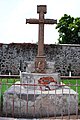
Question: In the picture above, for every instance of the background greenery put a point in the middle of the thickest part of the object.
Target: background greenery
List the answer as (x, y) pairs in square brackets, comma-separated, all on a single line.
[(68, 28)]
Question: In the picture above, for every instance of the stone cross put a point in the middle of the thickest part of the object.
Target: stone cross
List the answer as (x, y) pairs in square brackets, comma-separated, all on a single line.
[(40, 62)]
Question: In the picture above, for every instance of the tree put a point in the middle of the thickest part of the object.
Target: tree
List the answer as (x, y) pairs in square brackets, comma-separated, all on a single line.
[(68, 28)]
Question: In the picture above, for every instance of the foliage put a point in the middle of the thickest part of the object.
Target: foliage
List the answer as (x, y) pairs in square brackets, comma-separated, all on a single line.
[(68, 28)]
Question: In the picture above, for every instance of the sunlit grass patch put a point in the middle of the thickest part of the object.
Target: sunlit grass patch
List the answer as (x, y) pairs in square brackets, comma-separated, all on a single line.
[(73, 84)]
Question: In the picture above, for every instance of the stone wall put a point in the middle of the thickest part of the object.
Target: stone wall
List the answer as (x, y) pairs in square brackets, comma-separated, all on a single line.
[(14, 54)]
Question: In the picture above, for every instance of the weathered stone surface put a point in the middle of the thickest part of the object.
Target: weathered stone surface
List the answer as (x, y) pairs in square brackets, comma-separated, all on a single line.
[(32, 78), (37, 103)]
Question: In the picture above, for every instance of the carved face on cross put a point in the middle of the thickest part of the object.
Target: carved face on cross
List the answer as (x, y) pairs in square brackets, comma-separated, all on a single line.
[(41, 9)]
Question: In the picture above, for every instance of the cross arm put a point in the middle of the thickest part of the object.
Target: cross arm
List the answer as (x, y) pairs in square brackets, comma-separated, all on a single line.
[(50, 21), (32, 21), (37, 21)]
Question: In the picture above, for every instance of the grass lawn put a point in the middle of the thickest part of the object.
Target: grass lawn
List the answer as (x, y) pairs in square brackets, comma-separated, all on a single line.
[(6, 83), (75, 85)]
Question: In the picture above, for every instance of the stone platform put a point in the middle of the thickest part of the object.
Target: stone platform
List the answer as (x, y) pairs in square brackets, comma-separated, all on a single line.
[(37, 103)]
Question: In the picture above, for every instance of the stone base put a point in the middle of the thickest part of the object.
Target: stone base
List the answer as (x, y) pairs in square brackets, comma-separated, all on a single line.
[(32, 78), (50, 67), (36, 103)]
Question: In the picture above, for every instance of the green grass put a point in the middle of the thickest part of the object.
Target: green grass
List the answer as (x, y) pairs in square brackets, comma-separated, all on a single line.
[(72, 83), (6, 83)]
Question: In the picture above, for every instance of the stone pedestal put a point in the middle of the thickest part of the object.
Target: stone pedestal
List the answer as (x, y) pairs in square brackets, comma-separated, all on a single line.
[(32, 78), (36, 103)]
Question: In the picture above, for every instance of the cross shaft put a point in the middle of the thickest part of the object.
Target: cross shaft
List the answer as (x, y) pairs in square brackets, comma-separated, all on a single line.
[(40, 61)]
